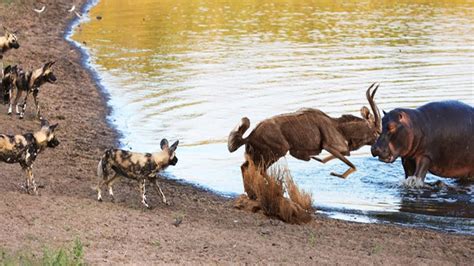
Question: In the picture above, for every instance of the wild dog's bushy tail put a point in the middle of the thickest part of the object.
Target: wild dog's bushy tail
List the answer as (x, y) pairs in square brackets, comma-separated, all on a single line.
[(102, 172), (235, 139)]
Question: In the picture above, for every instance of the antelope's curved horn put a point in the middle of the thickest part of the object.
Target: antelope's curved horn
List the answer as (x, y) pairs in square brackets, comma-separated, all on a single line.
[(370, 97)]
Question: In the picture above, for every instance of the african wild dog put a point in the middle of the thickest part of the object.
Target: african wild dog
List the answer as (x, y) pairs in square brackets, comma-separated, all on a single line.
[(23, 149), (7, 42), (137, 166), (29, 82), (6, 83)]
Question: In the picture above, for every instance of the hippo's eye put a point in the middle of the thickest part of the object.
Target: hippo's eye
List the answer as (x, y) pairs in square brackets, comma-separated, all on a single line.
[(392, 128)]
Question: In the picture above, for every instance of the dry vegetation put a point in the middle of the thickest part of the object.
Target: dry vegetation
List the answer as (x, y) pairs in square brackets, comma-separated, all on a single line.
[(269, 190)]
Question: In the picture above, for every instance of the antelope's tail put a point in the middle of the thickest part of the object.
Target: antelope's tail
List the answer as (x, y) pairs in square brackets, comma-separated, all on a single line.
[(235, 139)]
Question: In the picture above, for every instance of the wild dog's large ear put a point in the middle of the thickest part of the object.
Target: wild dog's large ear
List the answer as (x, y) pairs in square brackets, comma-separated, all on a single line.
[(384, 113), (6, 31), (174, 146), (44, 123), (7, 69), (53, 127), (164, 144), (47, 65)]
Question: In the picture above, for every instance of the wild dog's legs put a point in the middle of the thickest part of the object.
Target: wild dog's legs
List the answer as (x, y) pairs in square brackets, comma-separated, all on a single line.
[(30, 179), (14, 98), (325, 160), (35, 98), (142, 191), (109, 184), (99, 185), (10, 100), (23, 106), (341, 157), (157, 186)]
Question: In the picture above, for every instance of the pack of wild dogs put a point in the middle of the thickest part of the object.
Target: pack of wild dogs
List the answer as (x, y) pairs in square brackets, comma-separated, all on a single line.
[(437, 137)]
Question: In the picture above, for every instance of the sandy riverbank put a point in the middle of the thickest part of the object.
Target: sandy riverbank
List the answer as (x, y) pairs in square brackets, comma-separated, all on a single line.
[(124, 232)]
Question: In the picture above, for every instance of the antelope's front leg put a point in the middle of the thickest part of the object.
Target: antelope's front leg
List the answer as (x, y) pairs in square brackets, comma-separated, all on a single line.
[(337, 154), (142, 191), (324, 160)]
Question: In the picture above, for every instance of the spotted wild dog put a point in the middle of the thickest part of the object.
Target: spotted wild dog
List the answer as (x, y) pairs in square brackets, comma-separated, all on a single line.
[(7, 42), (30, 83), (24, 149), (137, 166), (6, 83)]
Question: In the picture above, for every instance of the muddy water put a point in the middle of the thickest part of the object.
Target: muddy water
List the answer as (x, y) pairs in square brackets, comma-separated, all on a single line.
[(189, 70)]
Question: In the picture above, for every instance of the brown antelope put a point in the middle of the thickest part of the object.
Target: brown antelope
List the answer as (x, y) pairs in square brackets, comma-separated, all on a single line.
[(305, 133)]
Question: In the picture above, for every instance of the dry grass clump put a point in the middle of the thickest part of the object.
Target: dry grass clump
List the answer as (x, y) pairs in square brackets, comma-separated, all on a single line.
[(268, 190)]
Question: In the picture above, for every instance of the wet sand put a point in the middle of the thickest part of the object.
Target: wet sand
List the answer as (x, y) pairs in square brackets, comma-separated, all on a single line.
[(124, 232)]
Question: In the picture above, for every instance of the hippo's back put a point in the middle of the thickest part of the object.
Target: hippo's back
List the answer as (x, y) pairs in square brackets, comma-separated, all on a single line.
[(449, 134)]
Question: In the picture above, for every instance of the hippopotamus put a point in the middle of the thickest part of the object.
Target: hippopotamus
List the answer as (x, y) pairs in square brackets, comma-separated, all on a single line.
[(437, 137)]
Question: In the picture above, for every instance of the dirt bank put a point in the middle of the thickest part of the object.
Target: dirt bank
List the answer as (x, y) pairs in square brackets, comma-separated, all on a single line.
[(124, 232)]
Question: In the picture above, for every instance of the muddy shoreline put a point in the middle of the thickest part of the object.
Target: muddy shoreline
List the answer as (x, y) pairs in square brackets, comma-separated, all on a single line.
[(123, 232)]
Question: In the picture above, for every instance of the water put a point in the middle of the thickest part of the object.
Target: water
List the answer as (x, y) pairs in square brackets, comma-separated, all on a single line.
[(189, 70)]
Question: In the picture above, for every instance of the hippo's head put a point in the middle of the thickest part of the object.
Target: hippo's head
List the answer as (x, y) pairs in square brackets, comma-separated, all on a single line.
[(396, 138)]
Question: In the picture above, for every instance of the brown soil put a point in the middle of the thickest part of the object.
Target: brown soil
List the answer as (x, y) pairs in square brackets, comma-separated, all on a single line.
[(124, 232)]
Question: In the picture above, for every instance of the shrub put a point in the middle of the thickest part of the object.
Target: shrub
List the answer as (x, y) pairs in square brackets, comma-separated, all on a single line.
[(269, 191)]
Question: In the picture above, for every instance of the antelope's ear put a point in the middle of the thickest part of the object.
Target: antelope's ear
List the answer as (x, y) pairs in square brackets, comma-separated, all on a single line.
[(364, 112), (174, 146), (44, 123), (164, 144), (53, 127)]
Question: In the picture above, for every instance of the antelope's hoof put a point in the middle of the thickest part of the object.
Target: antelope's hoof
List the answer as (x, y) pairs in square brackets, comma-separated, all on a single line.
[(338, 175)]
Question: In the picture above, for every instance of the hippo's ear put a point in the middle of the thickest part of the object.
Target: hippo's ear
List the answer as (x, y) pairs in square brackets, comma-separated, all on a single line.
[(164, 144), (403, 117)]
